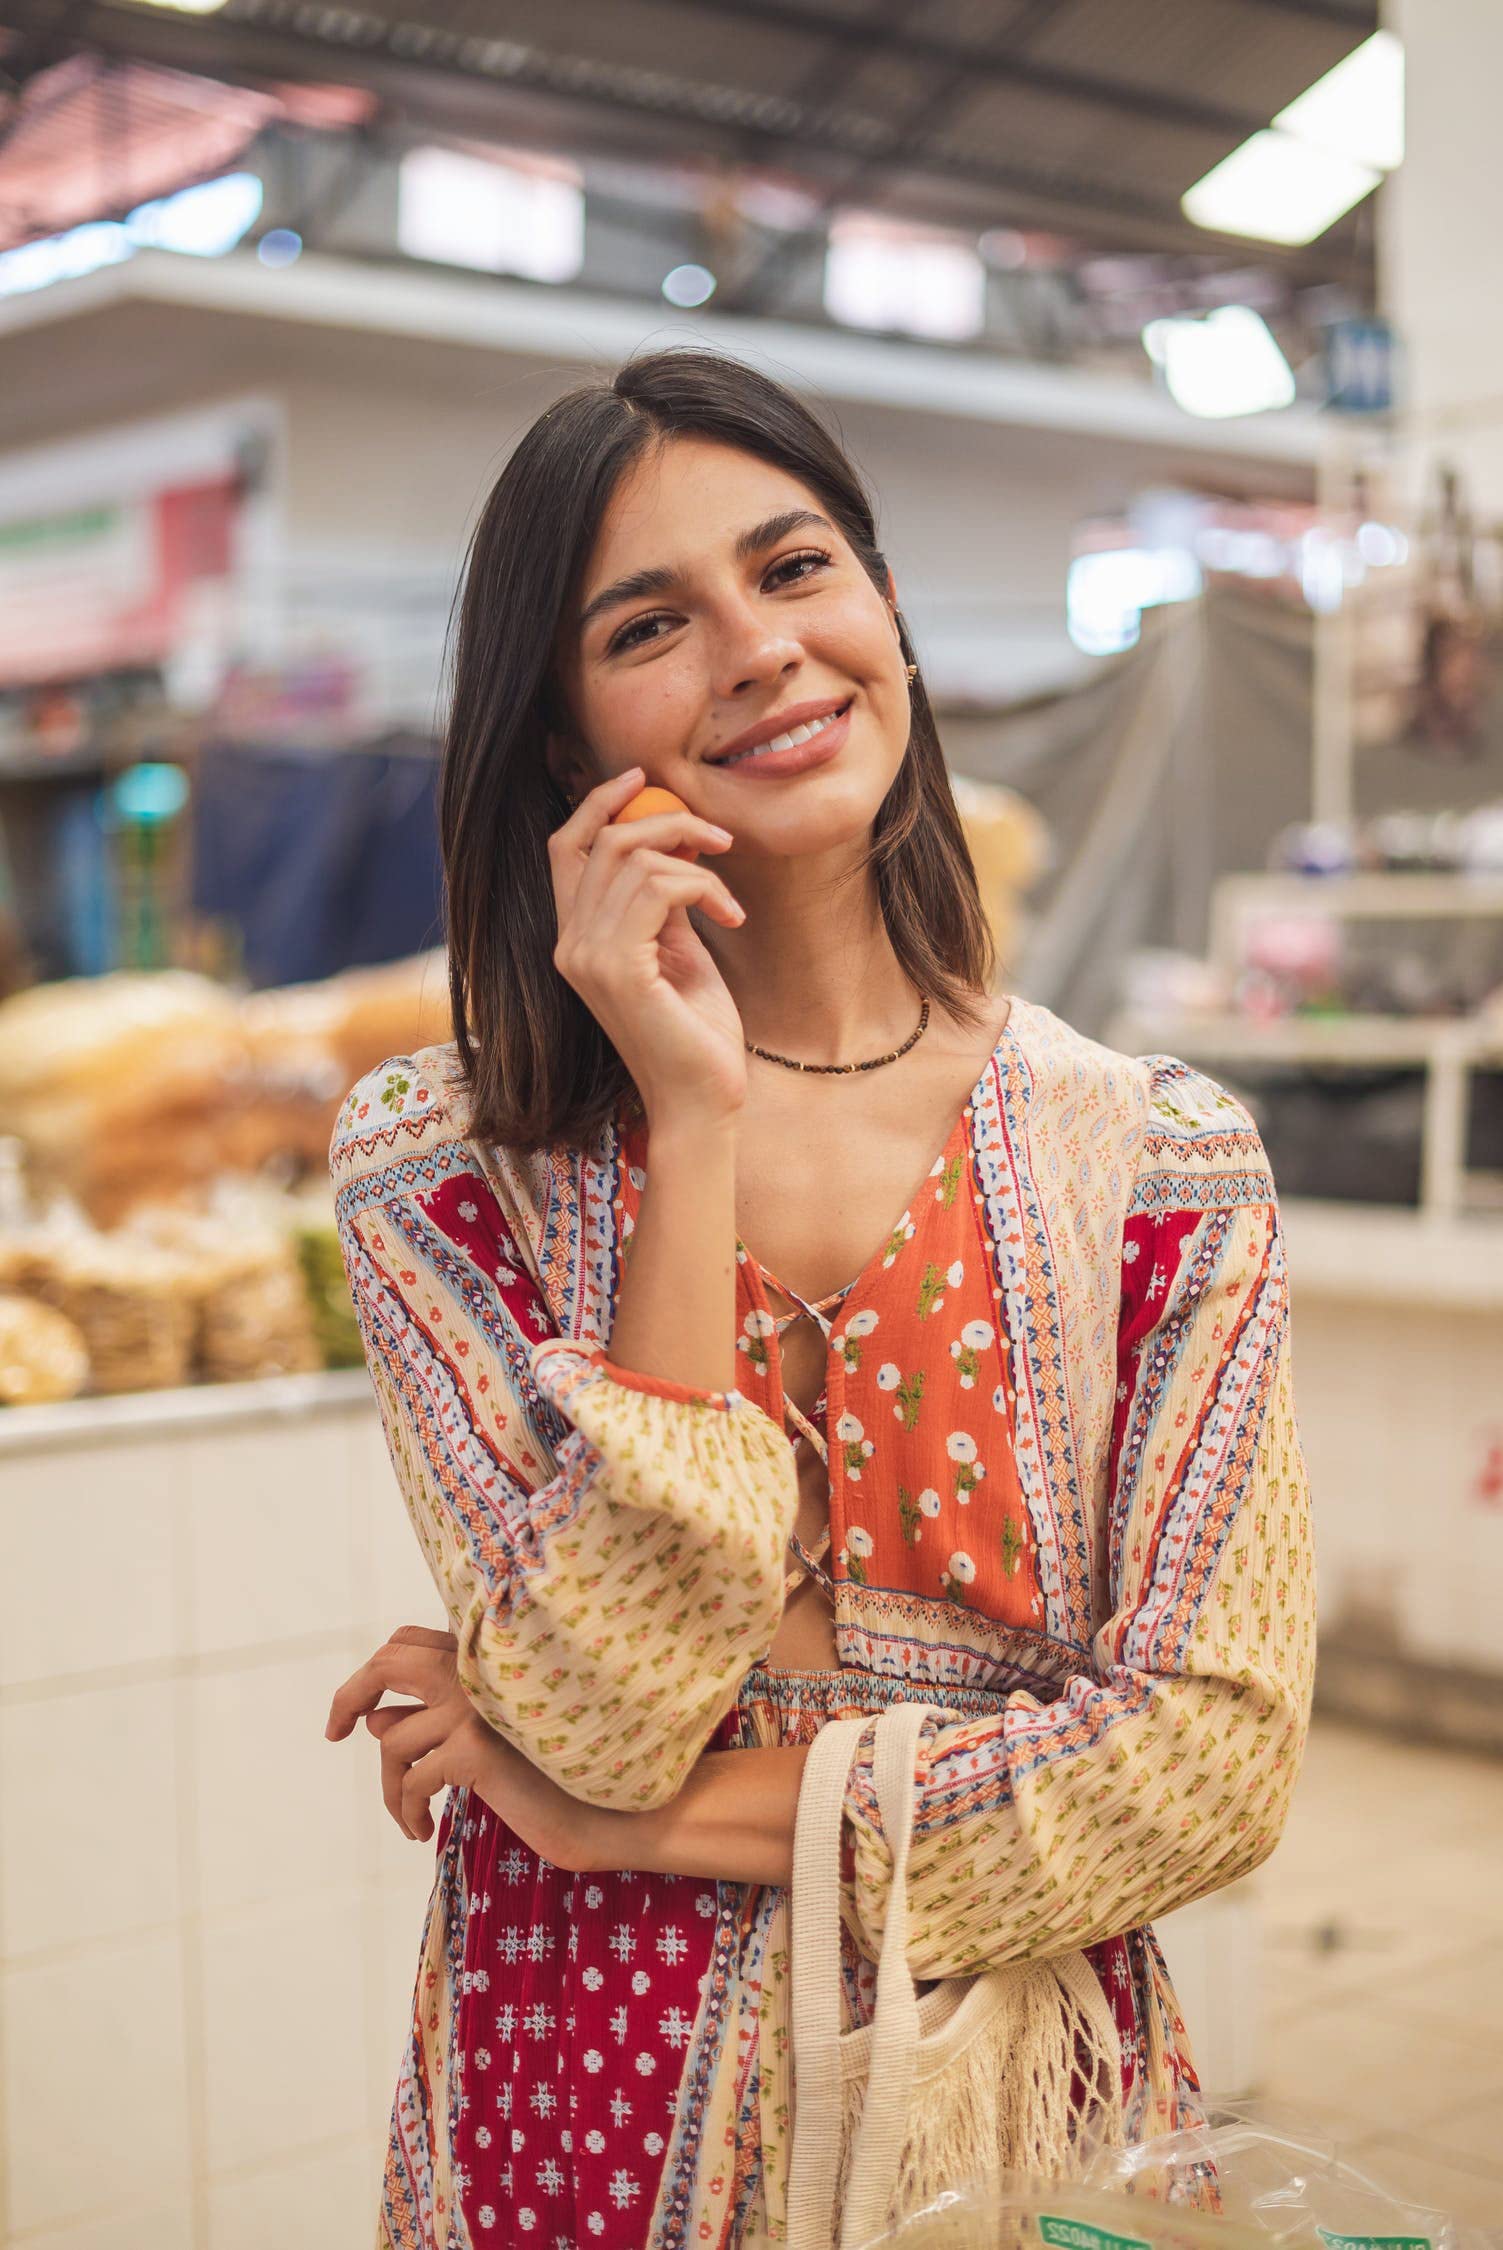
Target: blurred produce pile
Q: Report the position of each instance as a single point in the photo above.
(165, 1213)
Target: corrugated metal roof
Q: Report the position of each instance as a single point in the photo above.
(1087, 117)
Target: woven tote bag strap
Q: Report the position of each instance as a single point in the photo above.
(819, 2106)
(883, 2131)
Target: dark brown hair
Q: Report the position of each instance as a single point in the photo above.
(540, 1069)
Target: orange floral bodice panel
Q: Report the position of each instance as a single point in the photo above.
(925, 1500)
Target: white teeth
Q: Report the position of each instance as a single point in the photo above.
(783, 741)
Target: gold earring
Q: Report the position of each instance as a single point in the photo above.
(912, 671)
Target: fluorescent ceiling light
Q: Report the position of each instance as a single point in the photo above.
(883, 273)
(496, 217)
(1278, 189)
(1227, 363)
(1357, 109)
(185, 7)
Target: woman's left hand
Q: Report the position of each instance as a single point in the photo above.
(439, 1741)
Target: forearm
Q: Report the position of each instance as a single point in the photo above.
(732, 1822)
(676, 1309)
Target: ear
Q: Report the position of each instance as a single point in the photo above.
(561, 756)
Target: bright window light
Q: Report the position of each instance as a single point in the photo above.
(880, 275)
(1106, 593)
(199, 222)
(1227, 363)
(463, 210)
(1275, 188)
(1357, 109)
(202, 222)
(62, 257)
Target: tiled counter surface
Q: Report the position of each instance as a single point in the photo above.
(208, 1923)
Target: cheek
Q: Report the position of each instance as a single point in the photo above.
(637, 717)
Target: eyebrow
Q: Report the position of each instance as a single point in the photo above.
(661, 580)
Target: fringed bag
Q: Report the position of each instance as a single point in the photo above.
(979, 2075)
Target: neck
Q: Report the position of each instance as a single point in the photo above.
(812, 970)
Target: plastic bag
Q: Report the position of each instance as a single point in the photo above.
(1291, 2188)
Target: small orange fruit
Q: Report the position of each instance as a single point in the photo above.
(654, 800)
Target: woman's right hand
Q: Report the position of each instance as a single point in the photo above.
(628, 948)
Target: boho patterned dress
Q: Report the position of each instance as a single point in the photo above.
(1067, 1503)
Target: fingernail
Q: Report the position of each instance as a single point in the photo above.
(719, 831)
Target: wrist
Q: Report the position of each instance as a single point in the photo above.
(674, 1130)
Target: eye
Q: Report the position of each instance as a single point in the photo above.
(630, 636)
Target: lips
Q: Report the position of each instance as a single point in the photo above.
(802, 715)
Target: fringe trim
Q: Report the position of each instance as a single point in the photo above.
(1037, 2088)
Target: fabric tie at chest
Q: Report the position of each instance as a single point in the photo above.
(809, 1564)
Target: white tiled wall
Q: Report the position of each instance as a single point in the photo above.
(208, 1925)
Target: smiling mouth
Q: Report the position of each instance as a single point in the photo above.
(788, 741)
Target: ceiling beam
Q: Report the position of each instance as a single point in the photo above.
(988, 65)
(267, 40)
(1357, 16)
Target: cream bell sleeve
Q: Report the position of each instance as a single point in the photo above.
(608, 1546)
(1164, 1769)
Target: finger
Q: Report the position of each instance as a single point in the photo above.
(421, 1782)
(400, 1751)
(647, 890)
(425, 1674)
(658, 835)
(381, 1722)
(423, 1636)
(570, 842)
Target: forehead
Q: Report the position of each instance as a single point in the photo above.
(685, 499)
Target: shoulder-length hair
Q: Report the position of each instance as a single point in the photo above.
(539, 1069)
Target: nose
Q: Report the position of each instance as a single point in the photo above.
(751, 648)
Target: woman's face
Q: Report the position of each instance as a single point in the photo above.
(737, 633)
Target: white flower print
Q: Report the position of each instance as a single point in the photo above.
(855, 1446)
(976, 1335)
(961, 1447)
(755, 1330)
(653, 2143)
(848, 1341)
(928, 1501)
(469, 1212)
(637, 1176)
(1130, 1252)
(955, 1274)
(594, 2141)
(999, 1400)
(889, 1375)
(958, 1575)
(901, 1233)
(858, 1541)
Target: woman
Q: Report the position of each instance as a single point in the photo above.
(687, 1488)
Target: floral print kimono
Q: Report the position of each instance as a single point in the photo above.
(1067, 1504)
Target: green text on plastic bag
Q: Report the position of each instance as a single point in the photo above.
(1373, 2241)
(1075, 2234)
